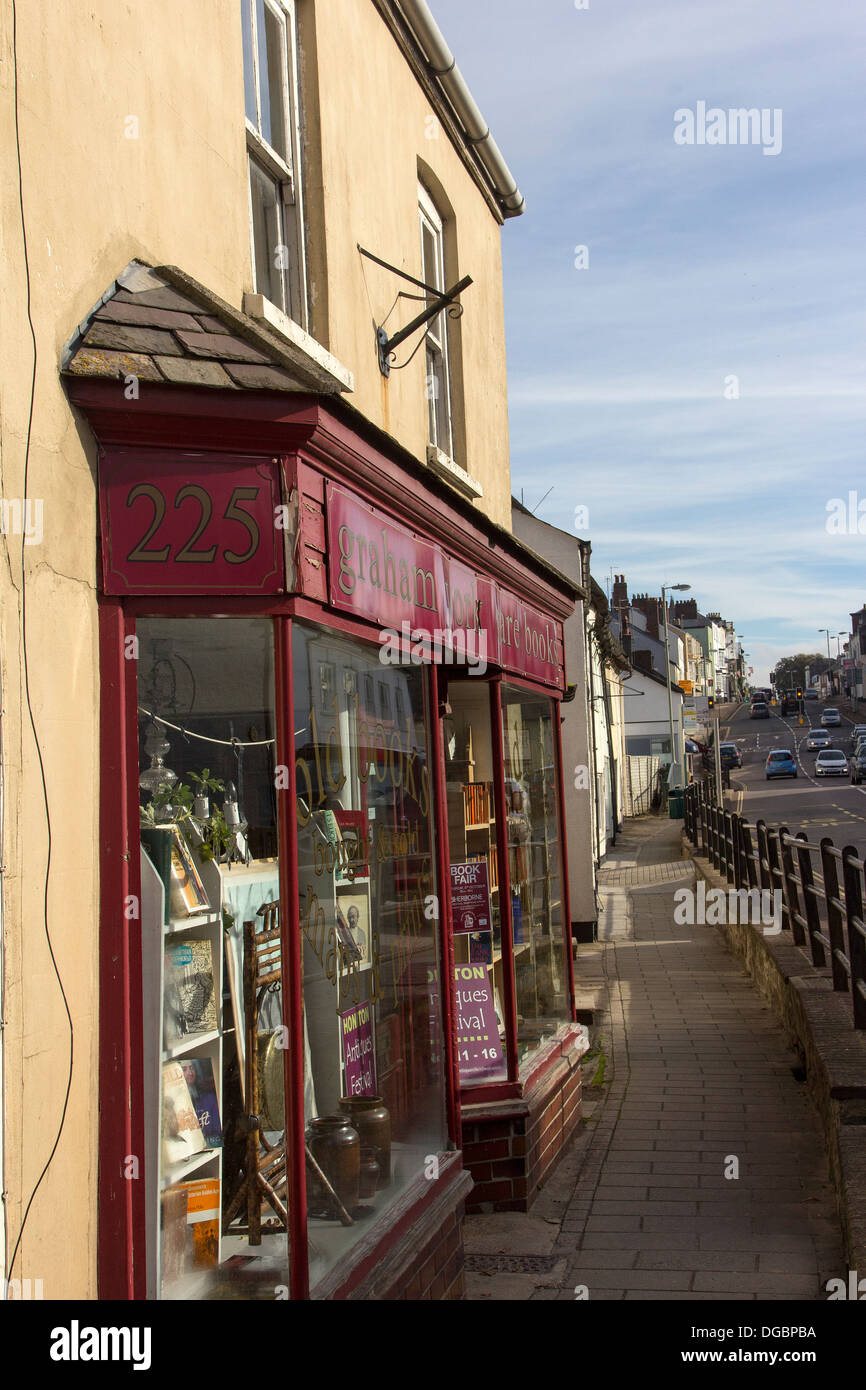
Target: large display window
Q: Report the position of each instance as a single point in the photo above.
(368, 902)
(535, 867)
(214, 1028)
(215, 1014)
(476, 889)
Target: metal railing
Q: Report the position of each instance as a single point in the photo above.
(822, 887)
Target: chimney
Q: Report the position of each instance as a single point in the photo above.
(619, 594)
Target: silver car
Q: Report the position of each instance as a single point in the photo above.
(831, 716)
(818, 738)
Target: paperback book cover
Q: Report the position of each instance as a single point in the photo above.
(181, 1132)
(190, 998)
(203, 1221)
(199, 1077)
(481, 948)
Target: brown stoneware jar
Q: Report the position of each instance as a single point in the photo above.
(372, 1120)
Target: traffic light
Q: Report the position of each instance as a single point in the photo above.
(799, 694)
(710, 702)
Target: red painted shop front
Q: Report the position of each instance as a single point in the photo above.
(335, 969)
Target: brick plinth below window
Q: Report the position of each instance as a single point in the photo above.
(510, 1147)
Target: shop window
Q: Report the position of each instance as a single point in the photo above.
(438, 382)
(273, 151)
(475, 884)
(210, 865)
(369, 919)
(535, 868)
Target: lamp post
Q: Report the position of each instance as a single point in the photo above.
(674, 778)
(829, 661)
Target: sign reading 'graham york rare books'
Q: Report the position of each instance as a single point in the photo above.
(379, 570)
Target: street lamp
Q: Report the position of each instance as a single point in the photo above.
(674, 778)
(829, 662)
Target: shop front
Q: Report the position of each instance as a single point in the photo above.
(334, 953)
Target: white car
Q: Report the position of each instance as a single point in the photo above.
(818, 738)
(831, 716)
(831, 763)
(858, 731)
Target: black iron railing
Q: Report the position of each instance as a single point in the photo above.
(822, 888)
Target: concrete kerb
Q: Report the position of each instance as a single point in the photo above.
(817, 1021)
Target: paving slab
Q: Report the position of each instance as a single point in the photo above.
(697, 1073)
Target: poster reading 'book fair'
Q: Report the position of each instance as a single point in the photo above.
(479, 1050)
(470, 896)
(356, 1036)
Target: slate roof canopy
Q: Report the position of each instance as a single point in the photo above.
(159, 324)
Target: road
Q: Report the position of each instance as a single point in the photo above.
(819, 806)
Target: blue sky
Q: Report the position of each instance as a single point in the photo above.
(705, 263)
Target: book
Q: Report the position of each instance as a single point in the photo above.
(203, 1220)
(481, 948)
(187, 893)
(181, 1133)
(190, 1000)
(199, 1077)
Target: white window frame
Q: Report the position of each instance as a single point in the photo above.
(284, 172)
(437, 328)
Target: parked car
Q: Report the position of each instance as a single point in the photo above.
(858, 732)
(818, 738)
(730, 755)
(858, 767)
(831, 763)
(781, 763)
(831, 716)
(759, 710)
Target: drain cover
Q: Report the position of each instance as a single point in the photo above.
(511, 1264)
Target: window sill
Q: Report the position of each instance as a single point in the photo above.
(333, 375)
(445, 468)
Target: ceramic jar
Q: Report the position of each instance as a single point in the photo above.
(336, 1147)
(372, 1120)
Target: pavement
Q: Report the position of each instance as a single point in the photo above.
(698, 1172)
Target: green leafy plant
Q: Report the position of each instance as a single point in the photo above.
(217, 837)
(204, 782)
(178, 797)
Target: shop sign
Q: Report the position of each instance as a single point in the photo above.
(479, 1051)
(526, 641)
(470, 897)
(356, 1038)
(174, 527)
(381, 571)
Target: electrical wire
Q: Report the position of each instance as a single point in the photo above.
(26, 668)
(203, 738)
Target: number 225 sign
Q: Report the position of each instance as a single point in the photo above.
(177, 527)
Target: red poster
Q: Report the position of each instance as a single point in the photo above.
(470, 897)
(172, 526)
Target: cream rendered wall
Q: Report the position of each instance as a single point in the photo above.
(130, 120)
(92, 200)
(374, 125)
